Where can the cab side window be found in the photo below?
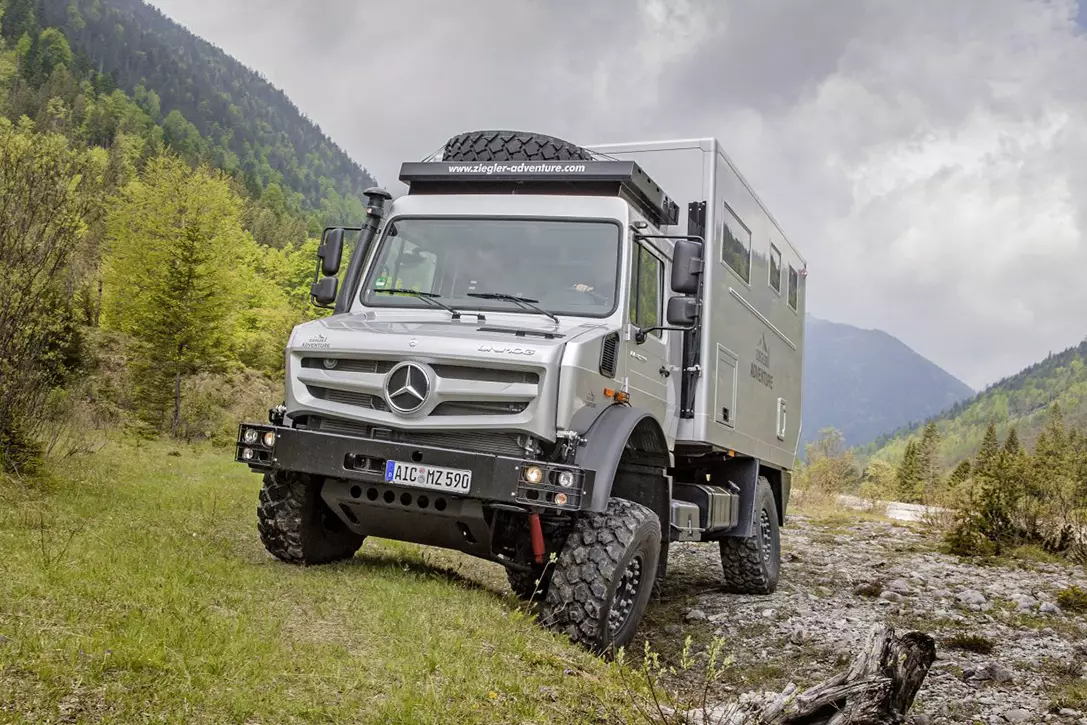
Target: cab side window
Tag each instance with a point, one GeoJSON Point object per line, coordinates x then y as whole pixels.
{"type": "Point", "coordinates": [646, 289]}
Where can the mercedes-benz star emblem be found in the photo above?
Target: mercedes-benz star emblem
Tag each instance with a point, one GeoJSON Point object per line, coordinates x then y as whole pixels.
{"type": "Point", "coordinates": [407, 388]}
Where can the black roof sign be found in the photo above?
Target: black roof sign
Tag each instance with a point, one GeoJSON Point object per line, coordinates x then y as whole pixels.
{"type": "Point", "coordinates": [624, 178]}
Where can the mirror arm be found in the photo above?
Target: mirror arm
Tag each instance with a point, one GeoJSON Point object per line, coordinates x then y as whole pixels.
{"type": "Point", "coordinates": [640, 335]}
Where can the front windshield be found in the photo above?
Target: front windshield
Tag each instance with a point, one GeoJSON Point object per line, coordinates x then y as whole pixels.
{"type": "Point", "coordinates": [570, 267]}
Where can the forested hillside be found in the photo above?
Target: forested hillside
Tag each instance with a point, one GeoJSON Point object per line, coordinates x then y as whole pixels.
{"type": "Point", "coordinates": [209, 105]}
{"type": "Point", "coordinates": [866, 383]}
{"type": "Point", "coordinates": [1019, 401]}
{"type": "Point", "coordinates": [152, 264]}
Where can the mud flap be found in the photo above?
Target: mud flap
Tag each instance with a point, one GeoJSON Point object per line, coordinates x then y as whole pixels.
{"type": "Point", "coordinates": [741, 475]}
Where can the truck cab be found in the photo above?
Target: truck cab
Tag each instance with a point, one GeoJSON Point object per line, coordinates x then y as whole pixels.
{"type": "Point", "coordinates": [513, 349]}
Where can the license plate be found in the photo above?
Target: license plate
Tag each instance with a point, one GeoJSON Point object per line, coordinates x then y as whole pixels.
{"type": "Point", "coordinates": [454, 480]}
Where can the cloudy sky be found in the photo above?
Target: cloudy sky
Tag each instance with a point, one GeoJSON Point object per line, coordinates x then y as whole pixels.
{"type": "Point", "coordinates": [929, 158]}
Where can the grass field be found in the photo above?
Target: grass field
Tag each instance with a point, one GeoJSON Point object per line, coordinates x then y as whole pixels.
{"type": "Point", "coordinates": [133, 589]}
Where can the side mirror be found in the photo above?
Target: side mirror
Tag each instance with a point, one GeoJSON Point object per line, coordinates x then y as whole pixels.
{"type": "Point", "coordinates": [331, 252]}
{"type": "Point", "coordinates": [682, 311]}
{"type": "Point", "coordinates": [324, 290]}
{"type": "Point", "coordinates": [682, 316]}
{"type": "Point", "coordinates": [686, 266]}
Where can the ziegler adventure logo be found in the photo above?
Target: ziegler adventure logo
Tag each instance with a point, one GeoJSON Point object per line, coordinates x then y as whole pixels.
{"type": "Point", "coordinates": [317, 341]}
{"type": "Point", "coordinates": [761, 364]}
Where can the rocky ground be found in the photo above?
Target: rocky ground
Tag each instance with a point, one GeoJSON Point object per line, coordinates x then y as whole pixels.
{"type": "Point", "coordinates": [1007, 653]}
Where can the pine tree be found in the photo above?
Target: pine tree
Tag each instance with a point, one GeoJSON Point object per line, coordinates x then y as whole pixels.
{"type": "Point", "coordinates": [986, 460]}
{"type": "Point", "coordinates": [909, 484]}
{"type": "Point", "coordinates": [928, 458]}
{"type": "Point", "coordinates": [175, 241]}
{"type": "Point", "coordinates": [960, 475]}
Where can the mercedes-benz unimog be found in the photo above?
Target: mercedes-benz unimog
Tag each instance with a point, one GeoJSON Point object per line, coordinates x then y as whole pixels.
{"type": "Point", "coordinates": [554, 357]}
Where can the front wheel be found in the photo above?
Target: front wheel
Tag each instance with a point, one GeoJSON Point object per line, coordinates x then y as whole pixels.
{"type": "Point", "coordinates": [604, 575]}
{"type": "Point", "coordinates": [752, 565]}
{"type": "Point", "coordinates": [297, 527]}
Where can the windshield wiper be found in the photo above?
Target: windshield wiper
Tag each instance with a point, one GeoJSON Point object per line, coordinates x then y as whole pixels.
{"type": "Point", "coordinates": [425, 296]}
{"type": "Point", "coordinates": [523, 301]}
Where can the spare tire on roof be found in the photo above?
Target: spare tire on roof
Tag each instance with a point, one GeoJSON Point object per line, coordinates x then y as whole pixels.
{"type": "Point", "coordinates": [511, 146]}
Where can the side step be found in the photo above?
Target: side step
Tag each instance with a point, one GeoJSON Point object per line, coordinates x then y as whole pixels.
{"type": "Point", "coordinates": [700, 508]}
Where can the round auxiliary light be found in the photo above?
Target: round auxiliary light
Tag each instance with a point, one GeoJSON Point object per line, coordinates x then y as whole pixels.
{"type": "Point", "coordinates": [250, 436]}
{"type": "Point", "coordinates": [269, 439]}
{"type": "Point", "coordinates": [330, 363]}
{"type": "Point", "coordinates": [533, 474]}
{"type": "Point", "coordinates": [247, 454]}
{"type": "Point", "coordinates": [566, 479]}
{"type": "Point", "coordinates": [560, 499]}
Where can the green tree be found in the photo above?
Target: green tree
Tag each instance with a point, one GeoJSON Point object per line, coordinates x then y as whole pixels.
{"type": "Point", "coordinates": [175, 242]}
{"type": "Point", "coordinates": [19, 19]}
{"type": "Point", "coordinates": [830, 467]}
{"type": "Point", "coordinates": [910, 484]}
{"type": "Point", "coordinates": [47, 191]}
{"type": "Point", "coordinates": [987, 459]}
{"type": "Point", "coordinates": [928, 453]}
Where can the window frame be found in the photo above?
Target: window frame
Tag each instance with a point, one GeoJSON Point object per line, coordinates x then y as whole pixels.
{"type": "Point", "coordinates": [729, 211]}
{"type": "Point", "coordinates": [792, 297]}
{"type": "Point", "coordinates": [770, 267]}
{"type": "Point", "coordinates": [636, 286]}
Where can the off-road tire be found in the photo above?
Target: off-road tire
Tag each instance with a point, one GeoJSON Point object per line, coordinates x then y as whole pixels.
{"type": "Point", "coordinates": [511, 146]}
{"type": "Point", "coordinates": [297, 527]}
{"type": "Point", "coordinates": [620, 546]}
{"type": "Point", "coordinates": [524, 584]}
{"type": "Point", "coordinates": [752, 565]}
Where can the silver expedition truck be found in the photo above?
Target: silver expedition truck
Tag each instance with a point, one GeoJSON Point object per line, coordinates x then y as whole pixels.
{"type": "Point", "coordinates": [554, 357]}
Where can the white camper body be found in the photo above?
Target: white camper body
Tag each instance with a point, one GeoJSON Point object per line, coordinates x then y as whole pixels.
{"type": "Point", "coordinates": [748, 395]}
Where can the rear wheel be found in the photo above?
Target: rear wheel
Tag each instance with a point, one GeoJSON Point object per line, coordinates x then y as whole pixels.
{"type": "Point", "coordinates": [752, 565]}
{"type": "Point", "coordinates": [511, 146]}
{"type": "Point", "coordinates": [603, 577]}
{"type": "Point", "coordinates": [297, 527]}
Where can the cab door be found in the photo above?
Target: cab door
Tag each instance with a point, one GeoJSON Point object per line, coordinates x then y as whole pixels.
{"type": "Point", "coordinates": [648, 372]}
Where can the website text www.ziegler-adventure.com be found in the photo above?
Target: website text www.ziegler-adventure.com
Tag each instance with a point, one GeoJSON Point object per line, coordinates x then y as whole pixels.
{"type": "Point", "coordinates": [517, 168]}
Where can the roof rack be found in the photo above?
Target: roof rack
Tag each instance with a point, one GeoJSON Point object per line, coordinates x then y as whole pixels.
{"type": "Point", "coordinates": [593, 178]}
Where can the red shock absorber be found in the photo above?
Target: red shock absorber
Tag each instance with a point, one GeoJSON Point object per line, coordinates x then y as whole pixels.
{"type": "Point", "coordinates": [536, 533]}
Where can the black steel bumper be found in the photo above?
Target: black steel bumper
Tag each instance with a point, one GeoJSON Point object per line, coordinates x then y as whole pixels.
{"type": "Point", "coordinates": [497, 479]}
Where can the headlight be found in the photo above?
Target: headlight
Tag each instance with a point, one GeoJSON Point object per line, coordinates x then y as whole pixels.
{"type": "Point", "coordinates": [566, 479]}
{"type": "Point", "coordinates": [533, 474]}
{"type": "Point", "coordinates": [247, 454]}
{"type": "Point", "coordinates": [250, 436]}
{"type": "Point", "coordinates": [269, 439]}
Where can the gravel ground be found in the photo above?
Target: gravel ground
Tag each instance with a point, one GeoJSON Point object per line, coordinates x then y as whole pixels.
{"type": "Point", "coordinates": [840, 579]}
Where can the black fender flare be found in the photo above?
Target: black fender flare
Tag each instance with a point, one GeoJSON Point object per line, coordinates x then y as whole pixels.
{"type": "Point", "coordinates": [606, 433]}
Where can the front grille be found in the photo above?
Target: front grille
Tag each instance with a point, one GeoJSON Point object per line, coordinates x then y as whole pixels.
{"type": "Point", "coordinates": [348, 397]}
{"type": "Point", "coordinates": [347, 365]}
{"type": "Point", "coordinates": [454, 372]}
{"type": "Point", "coordinates": [479, 408]}
{"type": "Point", "coordinates": [498, 443]}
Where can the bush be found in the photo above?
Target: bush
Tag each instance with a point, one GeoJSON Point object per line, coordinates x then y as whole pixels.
{"type": "Point", "coordinates": [212, 406]}
{"type": "Point", "coordinates": [1073, 599]}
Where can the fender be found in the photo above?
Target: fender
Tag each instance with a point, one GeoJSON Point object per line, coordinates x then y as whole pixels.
{"type": "Point", "coordinates": [606, 434]}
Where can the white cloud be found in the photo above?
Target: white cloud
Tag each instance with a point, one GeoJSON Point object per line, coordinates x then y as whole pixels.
{"type": "Point", "coordinates": [930, 158]}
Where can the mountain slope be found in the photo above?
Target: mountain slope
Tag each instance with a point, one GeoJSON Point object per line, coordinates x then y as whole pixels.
{"type": "Point", "coordinates": [866, 383]}
{"type": "Point", "coordinates": [1020, 400]}
{"type": "Point", "coordinates": [249, 124]}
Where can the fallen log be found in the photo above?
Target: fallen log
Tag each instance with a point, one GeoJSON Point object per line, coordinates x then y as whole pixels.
{"type": "Point", "coordinates": [878, 689]}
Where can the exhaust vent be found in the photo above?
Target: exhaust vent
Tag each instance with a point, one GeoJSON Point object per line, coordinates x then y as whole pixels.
{"type": "Point", "coordinates": [609, 355]}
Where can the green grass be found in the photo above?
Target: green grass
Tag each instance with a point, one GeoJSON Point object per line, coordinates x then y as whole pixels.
{"type": "Point", "coordinates": [133, 588]}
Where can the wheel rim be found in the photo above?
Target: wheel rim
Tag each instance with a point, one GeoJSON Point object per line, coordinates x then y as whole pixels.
{"type": "Point", "coordinates": [767, 536]}
{"type": "Point", "coordinates": [626, 593]}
